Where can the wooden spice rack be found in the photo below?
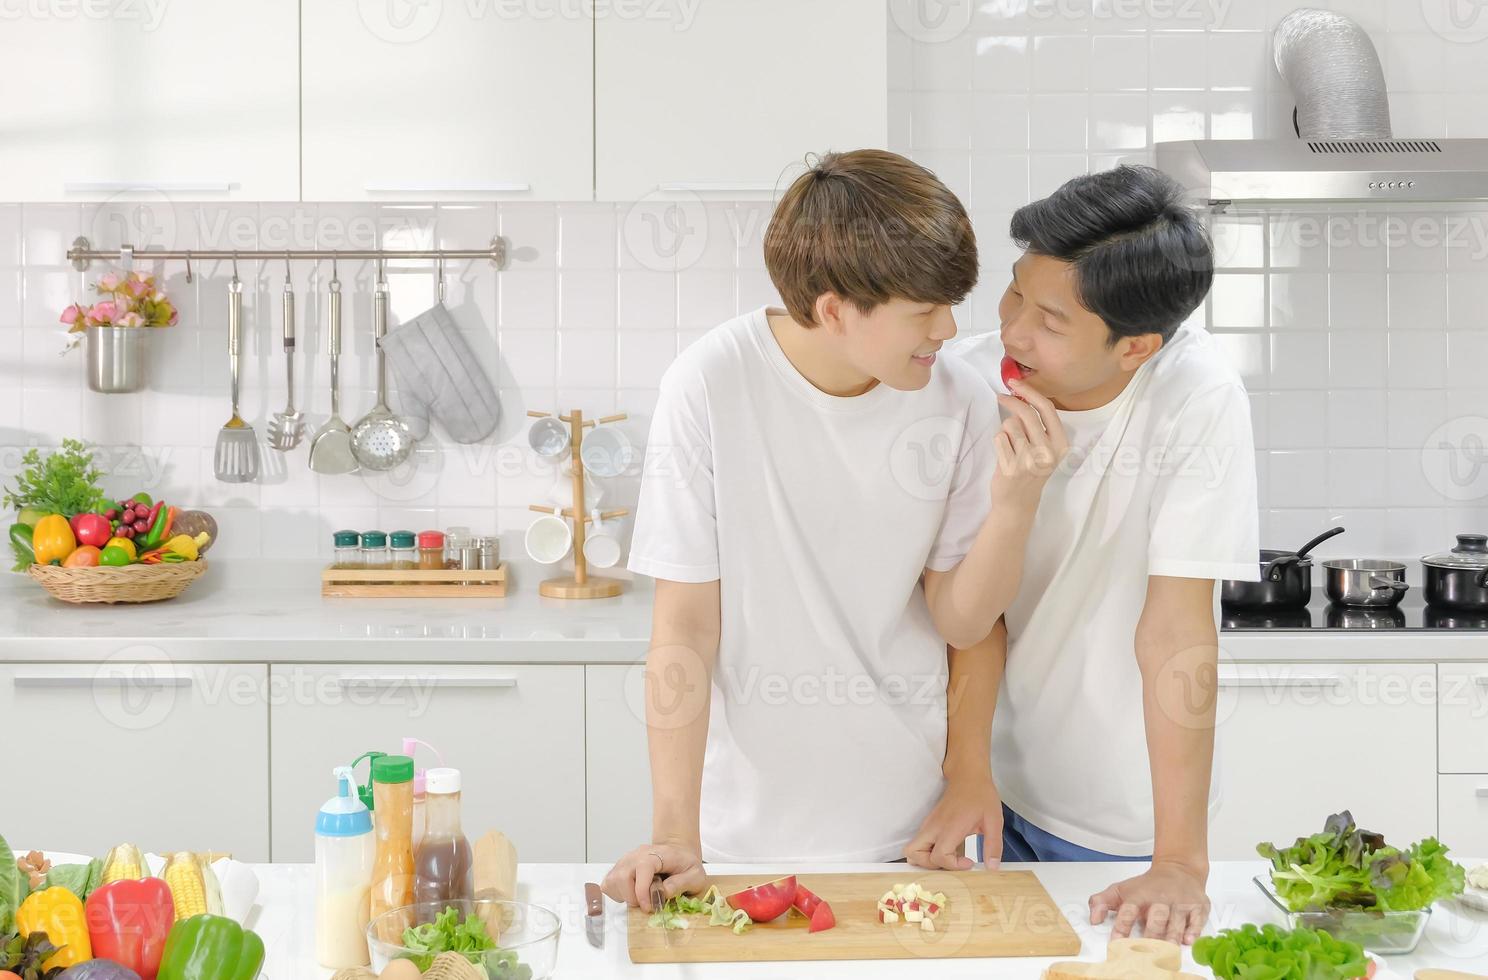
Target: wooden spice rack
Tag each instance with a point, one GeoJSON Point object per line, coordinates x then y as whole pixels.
{"type": "Point", "coordinates": [414, 583]}
{"type": "Point", "coordinates": [579, 585]}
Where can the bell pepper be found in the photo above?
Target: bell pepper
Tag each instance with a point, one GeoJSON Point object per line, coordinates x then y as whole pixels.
{"type": "Point", "coordinates": [211, 947]}
{"type": "Point", "coordinates": [58, 913]}
{"type": "Point", "coordinates": [128, 922]}
{"type": "Point", "coordinates": [52, 540]}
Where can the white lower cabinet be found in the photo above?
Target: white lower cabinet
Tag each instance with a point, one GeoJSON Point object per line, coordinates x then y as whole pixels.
{"type": "Point", "coordinates": [168, 756]}
{"type": "Point", "coordinates": [515, 732]}
{"type": "Point", "coordinates": [1464, 717]}
{"type": "Point", "coordinates": [1464, 815]}
{"type": "Point", "coordinates": [1298, 742]}
{"type": "Point", "coordinates": [619, 770]}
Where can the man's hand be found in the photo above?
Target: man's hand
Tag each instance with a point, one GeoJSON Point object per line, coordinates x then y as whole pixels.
{"type": "Point", "coordinates": [629, 881]}
{"type": "Point", "coordinates": [1030, 445]}
{"type": "Point", "coordinates": [1168, 900]}
{"type": "Point", "coordinates": [969, 806]}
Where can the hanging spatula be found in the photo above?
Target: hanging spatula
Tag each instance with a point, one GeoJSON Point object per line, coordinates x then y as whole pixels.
{"type": "Point", "coordinates": [330, 449]}
{"type": "Point", "coordinates": [236, 456]}
{"type": "Point", "coordinates": [287, 428]}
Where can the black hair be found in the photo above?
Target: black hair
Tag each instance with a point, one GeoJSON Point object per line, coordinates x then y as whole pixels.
{"type": "Point", "coordinates": [1143, 260]}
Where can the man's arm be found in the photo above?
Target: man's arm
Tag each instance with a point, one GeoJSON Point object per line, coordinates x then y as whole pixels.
{"type": "Point", "coordinates": [965, 601]}
{"type": "Point", "coordinates": [970, 804]}
{"type": "Point", "coordinates": [685, 628]}
{"type": "Point", "coordinates": [1177, 650]}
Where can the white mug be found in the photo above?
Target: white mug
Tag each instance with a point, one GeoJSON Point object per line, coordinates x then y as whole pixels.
{"type": "Point", "coordinates": [548, 539]}
{"type": "Point", "coordinates": [606, 451]}
{"type": "Point", "coordinates": [601, 548]}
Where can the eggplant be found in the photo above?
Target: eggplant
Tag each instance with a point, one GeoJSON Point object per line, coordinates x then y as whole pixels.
{"type": "Point", "coordinates": [98, 970]}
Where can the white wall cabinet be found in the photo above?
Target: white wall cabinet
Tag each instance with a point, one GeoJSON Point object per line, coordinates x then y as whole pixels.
{"type": "Point", "coordinates": [1288, 751]}
{"type": "Point", "coordinates": [166, 756]}
{"type": "Point", "coordinates": [192, 100]}
{"type": "Point", "coordinates": [726, 102]}
{"type": "Point", "coordinates": [619, 772]}
{"type": "Point", "coordinates": [515, 732]}
{"type": "Point", "coordinates": [448, 101]}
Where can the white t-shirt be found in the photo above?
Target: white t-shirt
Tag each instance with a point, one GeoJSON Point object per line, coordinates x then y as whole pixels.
{"type": "Point", "coordinates": [817, 514]}
{"type": "Point", "coordinates": [1160, 481]}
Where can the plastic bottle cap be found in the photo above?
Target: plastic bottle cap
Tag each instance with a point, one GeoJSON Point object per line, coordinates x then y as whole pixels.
{"type": "Point", "coordinates": [347, 539]}
{"type": "Point", "coordinates": [401, 539]}
{"type": "Point", "coordinates": [392, 769]}
{"type": "Point", "coordinates": [431, 539]}
{"type": "Point", "coordinates": [373, 539]}
{"type": "Point", "coordinates": [443, 780]}
{"type": "Point", "coordinates": [343, 815]}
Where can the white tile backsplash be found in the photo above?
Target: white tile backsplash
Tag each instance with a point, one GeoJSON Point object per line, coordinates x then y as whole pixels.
{"type": "Point", "coordinates": [1363, 337]}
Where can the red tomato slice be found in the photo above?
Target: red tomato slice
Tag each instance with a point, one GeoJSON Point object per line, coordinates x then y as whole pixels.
{"type": "Point", "coordinates": [805, 902]}
{"type": "Point", "coordinates": [1010, 372]}
{"type": "Point", "coordinates": [763, 903]}
{"type": "Point", "coordinates": [822, 918]}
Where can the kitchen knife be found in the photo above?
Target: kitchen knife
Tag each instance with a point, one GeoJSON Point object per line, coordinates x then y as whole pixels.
{"type": "Point", "coordinates": [594, 915]}
{"type": "Point", "coordinates": [658, 899]}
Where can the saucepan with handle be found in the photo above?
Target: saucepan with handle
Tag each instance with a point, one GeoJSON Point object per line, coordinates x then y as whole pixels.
{"type": "Point", "coordinates": [1286, 579]}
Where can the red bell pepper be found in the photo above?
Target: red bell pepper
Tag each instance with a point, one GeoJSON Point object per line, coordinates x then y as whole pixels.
{"type": "Point", "coordinates": [128, 922]}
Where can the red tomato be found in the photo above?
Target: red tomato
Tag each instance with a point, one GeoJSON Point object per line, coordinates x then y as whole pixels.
{"type": "Point", "coordinates": [766, 902]}
{"type": "Point", "coordinates": [93, 529]}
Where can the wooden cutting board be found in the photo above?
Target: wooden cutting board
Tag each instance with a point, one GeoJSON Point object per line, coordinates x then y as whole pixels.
{"type": "Point", "coordinates": [998, 913]}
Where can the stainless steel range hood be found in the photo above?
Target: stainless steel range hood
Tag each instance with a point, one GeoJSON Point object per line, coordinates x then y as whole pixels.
{"type": "Point", "coordinates": [1293, 171]}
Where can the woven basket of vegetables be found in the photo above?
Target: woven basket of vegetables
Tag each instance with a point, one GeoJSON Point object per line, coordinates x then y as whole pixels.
{"type": "Point", "coordinates": [127, 583]}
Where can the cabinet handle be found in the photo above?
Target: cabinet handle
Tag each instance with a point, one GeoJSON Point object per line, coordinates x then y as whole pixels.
{"type": "Point", "coordinates": [447, 187]}
{"type": "Point", "coordinates": [113, 186]}
{"type": "Point", "coordinates": [426, 680]}
{"type": "Point", "coordinates": [718, 186]}
{"type": "Point", "coordinates": [1237, 681]}
{"type": "Point", "coordinates": [1483, 792]}
{"type": "Point", "coordinates": [111, 680]}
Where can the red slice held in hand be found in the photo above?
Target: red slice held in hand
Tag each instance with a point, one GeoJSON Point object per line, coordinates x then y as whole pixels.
{"type": "Point", "coordinates": [1010, 372]}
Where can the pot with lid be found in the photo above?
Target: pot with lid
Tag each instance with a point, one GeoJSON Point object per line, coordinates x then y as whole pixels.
{"type": "Point", "coordinates": [1458, 579]}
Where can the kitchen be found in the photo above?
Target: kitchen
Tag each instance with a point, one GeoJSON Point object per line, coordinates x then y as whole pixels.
{"type": "Point", "coordinates": [578, 242]}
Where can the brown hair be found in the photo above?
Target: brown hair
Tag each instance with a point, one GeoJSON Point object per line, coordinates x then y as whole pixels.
{"type": "Point", "coordinates": [870, 226]}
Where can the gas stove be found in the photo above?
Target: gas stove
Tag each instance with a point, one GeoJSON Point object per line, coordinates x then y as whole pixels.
{"type": "Point", "coordinates": [1411, 614]}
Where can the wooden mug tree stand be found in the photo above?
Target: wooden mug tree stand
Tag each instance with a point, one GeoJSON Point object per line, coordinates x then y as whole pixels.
{"type": "Point", "coordinates": [579, 585]}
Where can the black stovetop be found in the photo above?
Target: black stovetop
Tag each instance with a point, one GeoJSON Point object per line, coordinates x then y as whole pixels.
{"type": "Point", "coordinates": [1320, 614]}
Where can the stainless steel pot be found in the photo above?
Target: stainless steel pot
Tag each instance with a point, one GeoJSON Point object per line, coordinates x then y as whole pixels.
{"type": "Point", "coordinates": [116, 358]}
{"type": "Point", "coordinates": [1458, 579]}
{"type": "Point", "coordinates": [1365, 582]}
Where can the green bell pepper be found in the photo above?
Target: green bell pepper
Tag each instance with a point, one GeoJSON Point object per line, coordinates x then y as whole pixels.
{"type": "Point", "coordinates": [211, 947]}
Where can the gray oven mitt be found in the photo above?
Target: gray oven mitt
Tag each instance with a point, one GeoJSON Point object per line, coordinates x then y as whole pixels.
{"type": "Point", "coordinates": [436, 373]}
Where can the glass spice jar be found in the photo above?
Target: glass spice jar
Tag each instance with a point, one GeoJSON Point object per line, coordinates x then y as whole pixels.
{"type": "Point", "coordinates": [348, 552]}
{"type": "Point", "coordinates": [403, 554]}
{"type": "Point", "coordinates": [431, 550]}
{"type": "Point", "coordinates": [374, 549]}
{"type": "Point", "coordinates": [454, 540]}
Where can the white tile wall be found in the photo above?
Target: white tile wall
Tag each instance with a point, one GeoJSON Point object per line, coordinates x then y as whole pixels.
{"type": "Point", "coordinates": [1363, 338]}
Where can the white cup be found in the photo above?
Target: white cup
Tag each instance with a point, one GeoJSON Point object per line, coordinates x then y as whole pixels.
{"type": "Point", "coordinates": [549, 438]}
{"type": "Point", "coordinates": [606, 451]}
{"type": "Point", "coordinates": [548, 539]}
{"type": "Point", "coordinates": [601, 548]}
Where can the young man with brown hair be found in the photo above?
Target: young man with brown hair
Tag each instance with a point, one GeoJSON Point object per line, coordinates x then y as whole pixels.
{"type": "Point", "coordinates": [806, 469]}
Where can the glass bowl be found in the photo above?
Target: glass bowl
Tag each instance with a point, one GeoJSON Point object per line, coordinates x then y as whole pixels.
{"type": "Point", "coordinates": [526, 936]}
{"type": "Point", "coordinates": [1386, 933]}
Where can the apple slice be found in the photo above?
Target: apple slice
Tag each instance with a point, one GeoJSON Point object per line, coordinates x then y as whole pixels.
{"type": "Point", "coordinates": [805, 901]}
{"type": "Point", "coordinates": [822, 917]}
{"type": "Point", "coordinates": [764, 903]}
{"type": "Point", "coordinates": [1010, 372]}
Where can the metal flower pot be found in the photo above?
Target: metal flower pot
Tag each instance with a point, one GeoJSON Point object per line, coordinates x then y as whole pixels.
{"type": "Point", "coordinates": [117, 358]}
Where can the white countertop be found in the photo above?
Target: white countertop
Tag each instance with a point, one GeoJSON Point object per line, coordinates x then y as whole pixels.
{"type": "Point", "coordinates": [1457, 938]}
{"type": "Point", "coordinates": [261, 612]}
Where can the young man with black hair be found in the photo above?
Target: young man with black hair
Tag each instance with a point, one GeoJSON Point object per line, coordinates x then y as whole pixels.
{"type": "Point", "coordinates": [1103, 677]}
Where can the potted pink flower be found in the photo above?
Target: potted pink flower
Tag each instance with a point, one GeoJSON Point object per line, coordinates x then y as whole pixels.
{"type": "Point", "coordinates": [115, 328]}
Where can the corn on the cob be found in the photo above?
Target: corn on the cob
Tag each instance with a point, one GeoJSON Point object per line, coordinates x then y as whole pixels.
{"type": "Point", "coordinates": [124, 862]}
{"type": "Point", "coordinates": [210, 883]}
{"type": "Point", "coordinates": [183, 873]}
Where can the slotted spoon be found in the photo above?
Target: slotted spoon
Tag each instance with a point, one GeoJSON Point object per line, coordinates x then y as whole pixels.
{"type": "Point", "coordinates": [236, 457]}
{"type": "Point", "coordinates": [381, 440]}
{"type": "Point", "coordinates": [287, 428]}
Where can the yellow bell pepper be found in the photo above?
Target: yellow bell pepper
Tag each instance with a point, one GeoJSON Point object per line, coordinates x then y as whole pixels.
{"type": "Point", "coordinates": [52, 540]}
{"type": "Point", "coordinates": [58, 913]}
{"type": "Point", "coordinates": [186, 546]}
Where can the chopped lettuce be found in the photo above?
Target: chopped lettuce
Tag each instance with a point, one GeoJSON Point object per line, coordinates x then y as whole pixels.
{"type": "Point", "coordinates": [1270, 953]}
{"type": "Point", "coordinates": [674, 911]}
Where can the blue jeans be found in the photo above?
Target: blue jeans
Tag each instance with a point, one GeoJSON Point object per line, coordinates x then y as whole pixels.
{"type": "Point", "coordinates": [1022, 841]}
